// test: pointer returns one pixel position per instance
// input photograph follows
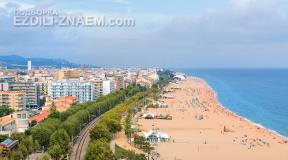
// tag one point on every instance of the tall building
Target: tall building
(31, 90)
(108, 86)
(98, 86)
(13, 99)
(82, 90)
(29, 65)
(67, 74)
(119, 82)
(43, 87)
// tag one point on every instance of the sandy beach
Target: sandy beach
(202, 129)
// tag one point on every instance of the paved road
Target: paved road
(79, 148)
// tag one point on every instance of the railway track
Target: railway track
(81, 144)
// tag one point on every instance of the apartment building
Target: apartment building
(7, 79)
(67, 74)
(119, 82)
(98, 87)
(108, 86)
(4, 86)
(82, 90)
(32, 92)
(43, 87)
(13, 99)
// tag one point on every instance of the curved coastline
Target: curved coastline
(205, 129)
(237, 115)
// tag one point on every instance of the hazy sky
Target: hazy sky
(182, 33)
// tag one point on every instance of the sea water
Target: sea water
(260, 95)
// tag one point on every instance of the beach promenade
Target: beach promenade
(203, 129)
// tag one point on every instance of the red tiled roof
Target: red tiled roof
(40, 117)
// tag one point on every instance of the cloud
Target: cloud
(122, 2)
(254, 4)
(46, 3)
(247, 33)
(31, 41)
(13, 5)
(254, 23)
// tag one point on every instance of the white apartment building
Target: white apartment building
(82, 90)
(108, 86)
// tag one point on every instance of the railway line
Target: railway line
(79, 148)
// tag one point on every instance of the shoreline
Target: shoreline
(242, 117)
(219, 130)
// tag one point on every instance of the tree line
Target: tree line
(139, 141)
(55, 134)
(109, 124)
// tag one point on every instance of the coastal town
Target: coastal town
(166, 111)
(143, 80)
(28, 97)
(187, 115)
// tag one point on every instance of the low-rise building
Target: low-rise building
(16, 122)
(40, 116)
(153, 136)
(64, 103)
(144, 82)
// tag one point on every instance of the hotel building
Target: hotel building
(82, 90)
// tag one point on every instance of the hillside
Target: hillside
(18, 62)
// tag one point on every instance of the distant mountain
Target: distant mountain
(18, 62)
